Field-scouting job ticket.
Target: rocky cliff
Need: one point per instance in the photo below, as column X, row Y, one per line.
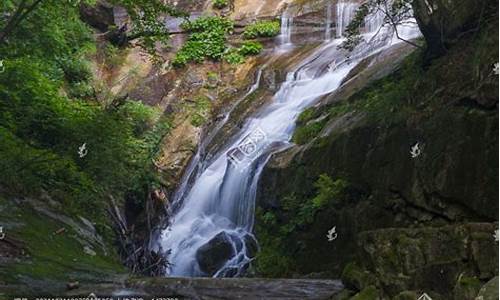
column 403, row 165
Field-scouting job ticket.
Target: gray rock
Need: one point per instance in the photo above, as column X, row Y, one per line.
column 489, row 291
column 87, row 250
column 214, row 254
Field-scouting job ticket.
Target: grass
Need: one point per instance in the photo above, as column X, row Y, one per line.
column 56, row 257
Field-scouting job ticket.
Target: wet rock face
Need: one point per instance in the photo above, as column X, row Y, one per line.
column 213, row 255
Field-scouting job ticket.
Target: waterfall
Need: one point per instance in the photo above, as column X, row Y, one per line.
column 328, row 26
column 217, row 195
column 345, row 13
column 285, row 36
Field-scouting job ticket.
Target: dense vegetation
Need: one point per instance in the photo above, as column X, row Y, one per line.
column 262, row 29
column 49, row 109
column 276, row 228
column 208, row 40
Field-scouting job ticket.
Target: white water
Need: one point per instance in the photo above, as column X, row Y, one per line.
column 345, row 13
column 328, row 26
column 285, row 36
column 221, row 197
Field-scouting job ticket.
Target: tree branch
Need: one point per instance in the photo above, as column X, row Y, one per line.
column 21, row 13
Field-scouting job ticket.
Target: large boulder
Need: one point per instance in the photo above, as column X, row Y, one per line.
column 99, row 16
column 213, row 255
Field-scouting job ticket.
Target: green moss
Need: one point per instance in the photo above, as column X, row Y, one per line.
column 306, row 116
column 200, row 110
column 355, row 278
column 58, row 257
column 304, row 134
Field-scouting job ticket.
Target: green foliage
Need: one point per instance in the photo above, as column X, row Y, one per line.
column 276, row 256
column 207, row 40
column 250, row 48
column 220, row 4
column 398, row 10
column 200, row 110
column 262, row 29
column 327, row 190
column 306, row 133
column 306, row 116
column 44, row 119
column 234, row 57
column 147, row 21
column 114, row 56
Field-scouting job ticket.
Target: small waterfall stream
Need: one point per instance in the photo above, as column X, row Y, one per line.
column 217, row 195
column 328, row 26
column 345, row 13
column 285, row 36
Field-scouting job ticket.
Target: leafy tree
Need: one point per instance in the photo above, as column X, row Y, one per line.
column 46, row 115
column 147, row 24
column 394, row 13
column 146, row 16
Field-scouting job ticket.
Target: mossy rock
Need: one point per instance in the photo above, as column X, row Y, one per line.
column 466, row 288
column 353, row 277
column 489, row 291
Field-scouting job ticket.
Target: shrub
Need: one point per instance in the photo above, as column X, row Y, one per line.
column 220, row 4
column 75, row 70
column 250, row 48
column 207, row 40
column 262, row 29
column 234, row 57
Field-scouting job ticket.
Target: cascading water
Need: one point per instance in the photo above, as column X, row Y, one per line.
column 285, row 36
column 328, row 26
column 345, row 13
column 219, row 203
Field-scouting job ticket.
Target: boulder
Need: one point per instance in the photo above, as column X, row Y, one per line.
column 251, row 245
column 215, row 253
column 489, row 291
column 99, row 16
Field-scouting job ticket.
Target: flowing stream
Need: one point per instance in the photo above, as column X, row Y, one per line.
column 216, row 198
